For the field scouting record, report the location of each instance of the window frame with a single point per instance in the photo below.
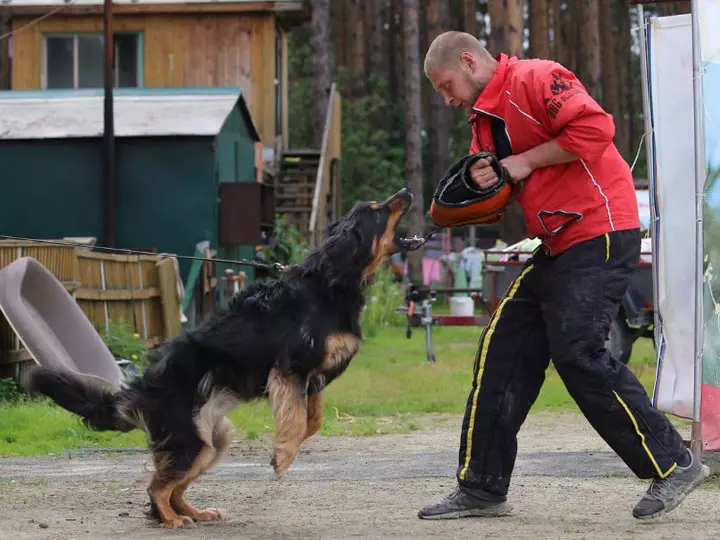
(76, 67)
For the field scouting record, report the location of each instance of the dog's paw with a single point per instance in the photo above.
(281, 460)
(181, 522)
(211, 514)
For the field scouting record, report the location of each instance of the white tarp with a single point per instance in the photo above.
(671, 93)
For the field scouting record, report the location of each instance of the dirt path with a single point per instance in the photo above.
(567, 484)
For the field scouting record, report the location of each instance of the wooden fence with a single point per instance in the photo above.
(328, 178)
(139, 291)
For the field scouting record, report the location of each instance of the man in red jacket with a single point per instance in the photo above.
(578, 198)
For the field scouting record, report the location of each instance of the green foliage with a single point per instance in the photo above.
(11, 391)
(373, 151)
(300, 99)
(122, 342)
(288, 245)
(382, 298)
(373, 156)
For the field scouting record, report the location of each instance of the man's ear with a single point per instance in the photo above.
(468, 62)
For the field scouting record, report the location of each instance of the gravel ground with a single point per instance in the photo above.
(567, 484)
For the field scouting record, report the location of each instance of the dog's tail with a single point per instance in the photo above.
(98, 406)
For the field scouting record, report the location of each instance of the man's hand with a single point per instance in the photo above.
(518, 167)
(483, 174)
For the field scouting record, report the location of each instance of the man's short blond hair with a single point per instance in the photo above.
(445, 50)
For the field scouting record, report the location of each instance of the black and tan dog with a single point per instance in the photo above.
(284, 340)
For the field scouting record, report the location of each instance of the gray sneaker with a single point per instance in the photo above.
(666, 494)
(461, 504)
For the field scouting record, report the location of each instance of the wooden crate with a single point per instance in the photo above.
(107, 287)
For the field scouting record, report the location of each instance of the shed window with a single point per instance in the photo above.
(76, 60)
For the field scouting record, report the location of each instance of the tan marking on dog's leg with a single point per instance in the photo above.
(288, 401)
(314, 415)
(212, 412)
(339, 349)
(160, 491)
(222, 438)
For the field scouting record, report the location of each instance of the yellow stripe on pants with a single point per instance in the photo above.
(659, 471)
(481, 367)
(607, 247)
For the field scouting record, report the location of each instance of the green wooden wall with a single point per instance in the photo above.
(167, 195)
(50, 188)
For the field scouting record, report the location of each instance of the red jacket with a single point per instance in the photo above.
(529, 102)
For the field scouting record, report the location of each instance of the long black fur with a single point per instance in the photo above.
(281, 324)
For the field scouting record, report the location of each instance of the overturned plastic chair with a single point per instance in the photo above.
(51, 325)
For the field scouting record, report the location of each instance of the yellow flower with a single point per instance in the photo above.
(136, 335)
(133, 356)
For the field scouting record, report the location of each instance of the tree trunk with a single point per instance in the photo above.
(539, 29)
(574, 17)
(413, 142)
(674, 8)
(339, 32)
(590, 50)
(438, 128)
(357, 19)
(469, 16)
(558, 44)
(610, 84)
(376, 64)
(514, 28)
(624, 81)
(322, 72)
(395, 51)
(498, 18)
(506, 27)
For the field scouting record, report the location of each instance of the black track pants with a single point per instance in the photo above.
(561, 308)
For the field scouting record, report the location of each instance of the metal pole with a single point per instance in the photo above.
(109, 131)
(696, 444)
(650, 153)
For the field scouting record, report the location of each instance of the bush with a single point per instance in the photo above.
(287, 245)
(124, 343)
(11, 391)
(382, 297)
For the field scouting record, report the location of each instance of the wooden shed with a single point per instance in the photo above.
(162, 44)
(179, 154)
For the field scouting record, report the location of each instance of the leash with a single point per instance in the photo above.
(276, 267)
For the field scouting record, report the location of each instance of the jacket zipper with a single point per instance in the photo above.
(502, 120)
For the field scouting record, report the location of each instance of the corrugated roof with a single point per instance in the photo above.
(53, 114)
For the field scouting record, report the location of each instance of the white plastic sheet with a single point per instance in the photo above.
(671, 97)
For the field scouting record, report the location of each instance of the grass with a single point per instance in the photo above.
(387, 388)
